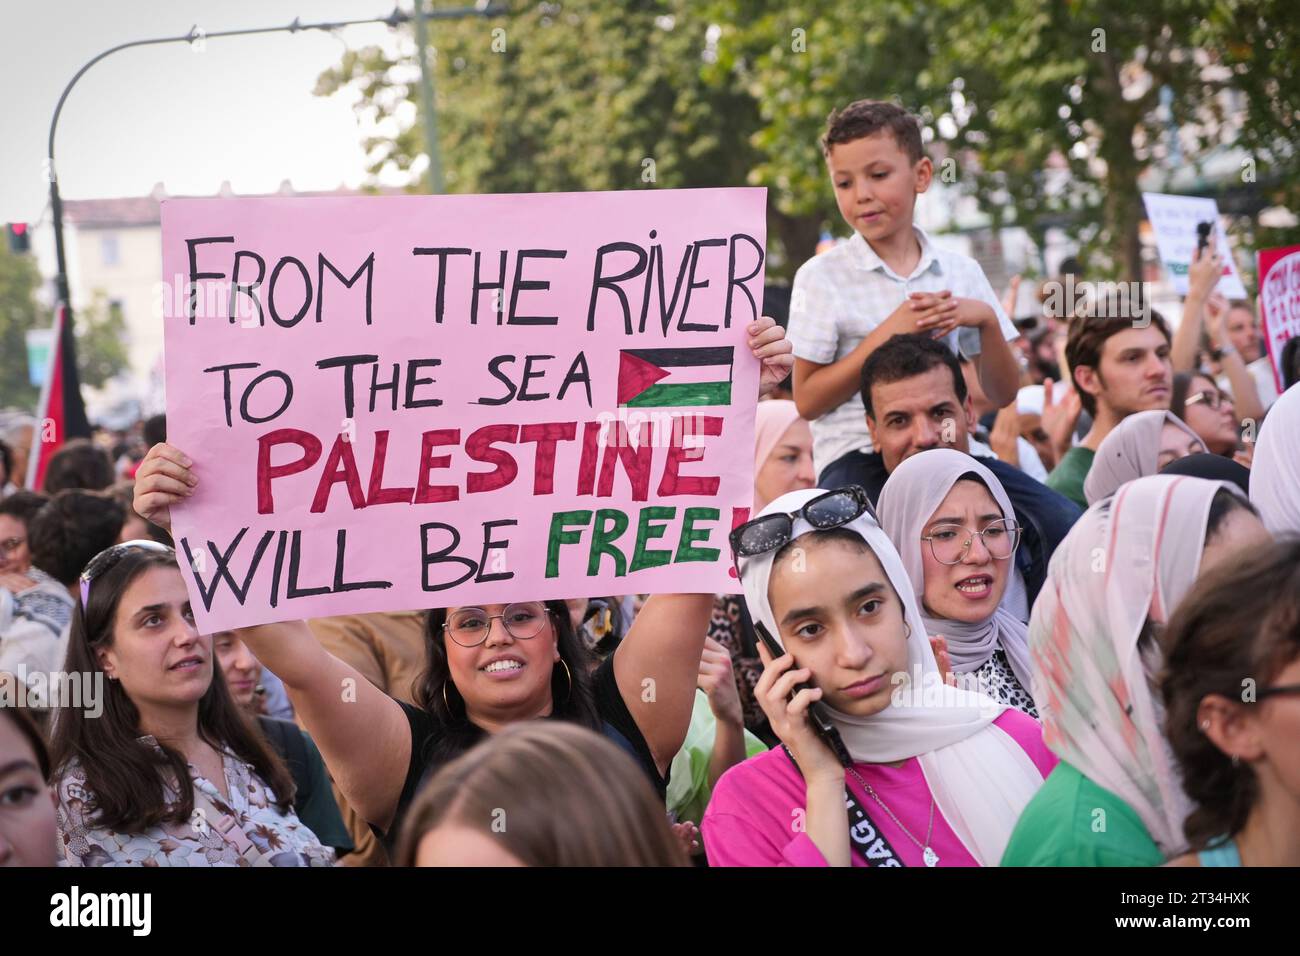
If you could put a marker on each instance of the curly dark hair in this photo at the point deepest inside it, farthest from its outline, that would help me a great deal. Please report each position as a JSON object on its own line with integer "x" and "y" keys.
{"x": 1212, "y": 648}
{"x": 78, "y": 464}
{"x": 571, "y": 692}
{"x": 23, "y": 506}
{"x": 863, "y": 118}
{"x": 72, "y": 528}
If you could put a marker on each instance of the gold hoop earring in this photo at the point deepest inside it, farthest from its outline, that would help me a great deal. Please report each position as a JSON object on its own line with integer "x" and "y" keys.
{"x": 569, "y": 674}
{"x": 446, "y": 703}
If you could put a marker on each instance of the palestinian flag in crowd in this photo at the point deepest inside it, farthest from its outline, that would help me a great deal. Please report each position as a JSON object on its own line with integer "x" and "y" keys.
{"x": 695, "y": 376}
{"x": 61, "y": 413}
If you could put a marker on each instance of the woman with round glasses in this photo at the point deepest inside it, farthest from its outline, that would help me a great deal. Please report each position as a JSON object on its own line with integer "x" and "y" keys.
{"x": 1209, "y": 412}
{"x": 931, "y": 774}
{"x": 956, "y": 532}
{"x": 489, "y": 666}
{"x": 164, "y": 769}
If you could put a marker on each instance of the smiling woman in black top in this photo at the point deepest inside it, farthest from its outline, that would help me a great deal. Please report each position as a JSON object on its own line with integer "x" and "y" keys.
{"x": 489, "y": 666}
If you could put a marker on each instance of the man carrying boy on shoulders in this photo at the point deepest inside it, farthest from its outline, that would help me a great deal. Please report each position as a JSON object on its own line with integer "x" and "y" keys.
{"x": 888, "y": 279}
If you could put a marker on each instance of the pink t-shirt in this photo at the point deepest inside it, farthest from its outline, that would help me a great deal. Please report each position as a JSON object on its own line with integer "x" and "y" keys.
{"x": 755, "y": 817}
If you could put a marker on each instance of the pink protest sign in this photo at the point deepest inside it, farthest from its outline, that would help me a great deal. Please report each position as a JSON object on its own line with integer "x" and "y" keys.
{"x": 1279, "y": 301}
{"x": 411, "y": 402}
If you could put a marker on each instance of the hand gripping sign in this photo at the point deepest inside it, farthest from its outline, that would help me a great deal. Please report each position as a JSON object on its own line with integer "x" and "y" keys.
{"x": 419, "y": 401}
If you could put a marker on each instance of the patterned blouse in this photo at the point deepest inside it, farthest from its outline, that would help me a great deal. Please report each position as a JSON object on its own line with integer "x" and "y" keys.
{"x": 193, "y": 842}
{"x": 726, "y": 626}
{"x": 998, "y": 680}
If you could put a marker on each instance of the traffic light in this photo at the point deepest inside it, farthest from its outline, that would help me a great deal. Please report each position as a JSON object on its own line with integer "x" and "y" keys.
{"x": 20, "y": 239}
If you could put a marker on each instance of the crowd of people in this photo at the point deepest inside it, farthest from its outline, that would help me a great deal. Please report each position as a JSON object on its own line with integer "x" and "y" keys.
{"x": 1017, "y": 590}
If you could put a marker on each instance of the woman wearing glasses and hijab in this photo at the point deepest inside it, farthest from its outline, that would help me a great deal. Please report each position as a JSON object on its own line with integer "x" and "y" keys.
{"x": 1209, "y": 413}
{"x": 489, "y": 666}
{"x": 1142, "y": 444}
{"x": 956, "y": 532}
{"x": 171, "y": 773}
{"x": 933, "y": 775}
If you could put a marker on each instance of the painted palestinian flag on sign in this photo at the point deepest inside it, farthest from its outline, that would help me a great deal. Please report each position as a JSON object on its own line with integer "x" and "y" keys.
{"x": 694, "y": 376}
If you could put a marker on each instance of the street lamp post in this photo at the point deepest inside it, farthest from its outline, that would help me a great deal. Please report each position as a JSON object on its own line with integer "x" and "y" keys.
{"x": 394, "y": 19}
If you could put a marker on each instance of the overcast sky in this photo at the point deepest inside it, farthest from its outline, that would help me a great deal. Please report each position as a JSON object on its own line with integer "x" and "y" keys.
{"x": 242, "y": 110}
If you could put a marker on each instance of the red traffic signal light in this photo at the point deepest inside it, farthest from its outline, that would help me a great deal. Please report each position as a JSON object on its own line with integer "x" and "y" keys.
{"x": 20, "y": 241}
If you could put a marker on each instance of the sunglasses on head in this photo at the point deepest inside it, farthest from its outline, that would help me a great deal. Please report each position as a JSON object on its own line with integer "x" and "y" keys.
{"x": 109, "y": 557}
{"x": 772, "y": 532}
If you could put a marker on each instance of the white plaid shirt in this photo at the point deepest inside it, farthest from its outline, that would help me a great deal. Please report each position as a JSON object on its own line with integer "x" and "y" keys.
{"x": 840, "y": 296}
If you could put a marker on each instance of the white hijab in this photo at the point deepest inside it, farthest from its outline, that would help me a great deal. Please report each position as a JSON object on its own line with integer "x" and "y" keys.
{"x": 1131, "y": 556}
{"x": 980, "y": 777}
{"x": 1275, "y": 470}
{"x": 914, "y": 490}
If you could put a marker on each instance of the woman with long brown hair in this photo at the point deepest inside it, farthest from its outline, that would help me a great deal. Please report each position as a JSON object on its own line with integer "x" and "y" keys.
{"x": 539, "y": 794}
{"x": 1231, "y": 690}
{"x": 171, "y": 773}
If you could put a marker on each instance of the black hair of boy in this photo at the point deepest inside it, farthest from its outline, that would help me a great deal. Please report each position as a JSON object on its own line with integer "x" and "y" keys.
{"x": 907, "y": 356}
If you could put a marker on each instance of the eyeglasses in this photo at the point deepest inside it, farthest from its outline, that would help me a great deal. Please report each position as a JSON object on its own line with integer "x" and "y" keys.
{"x": 1212, "y": 400}
{"x": 469, "y": 627}
{"x": 950, "y": 542}
{"x": 9, "y": 545}
{"x": 831, "y": 510}
{"x": 1279, "y": 691}
{"x": 109, "y": 557}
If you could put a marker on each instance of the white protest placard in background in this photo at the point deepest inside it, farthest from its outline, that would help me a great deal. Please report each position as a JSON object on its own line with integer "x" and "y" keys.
{"x": 1174, "y": 219}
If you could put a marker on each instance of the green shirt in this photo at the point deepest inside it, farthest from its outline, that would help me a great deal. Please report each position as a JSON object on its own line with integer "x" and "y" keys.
{"x": 1067, "y": 477}
{"x": 688, "y": 782}
{"x": 1073, "y": 822}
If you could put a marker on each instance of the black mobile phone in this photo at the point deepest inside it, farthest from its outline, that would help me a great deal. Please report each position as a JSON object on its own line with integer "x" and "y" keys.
{"x": 817, "y": 713}
{"x": 1203, "y": 235}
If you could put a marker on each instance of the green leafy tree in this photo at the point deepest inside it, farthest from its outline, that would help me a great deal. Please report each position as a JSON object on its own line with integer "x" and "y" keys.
{"x": 101, "y": 341}
{"x": 19, "y": 312}
{"x": 558, "y": 97}
{"x": 1049, "y": 114}
{"x": 801, "y": 61}
{"x": 1257, "y": 42}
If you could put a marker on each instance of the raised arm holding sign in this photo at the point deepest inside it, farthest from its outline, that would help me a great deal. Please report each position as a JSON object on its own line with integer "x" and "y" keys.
{"x": 366, "y": 736}
{"x": 411, "y": 401}
{"x": 479, "y": 404}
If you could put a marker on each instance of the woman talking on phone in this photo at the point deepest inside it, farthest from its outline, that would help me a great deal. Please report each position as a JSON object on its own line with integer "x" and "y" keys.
{"x": 489, "y": 666}
{"x": 934, "y": 775}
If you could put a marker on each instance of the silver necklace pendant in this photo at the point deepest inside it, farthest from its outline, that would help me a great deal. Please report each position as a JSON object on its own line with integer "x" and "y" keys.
{"x": 931, "y": 858}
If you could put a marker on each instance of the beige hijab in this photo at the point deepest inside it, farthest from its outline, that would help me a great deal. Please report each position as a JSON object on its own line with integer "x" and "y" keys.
{"x": 1131, "y": 450}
